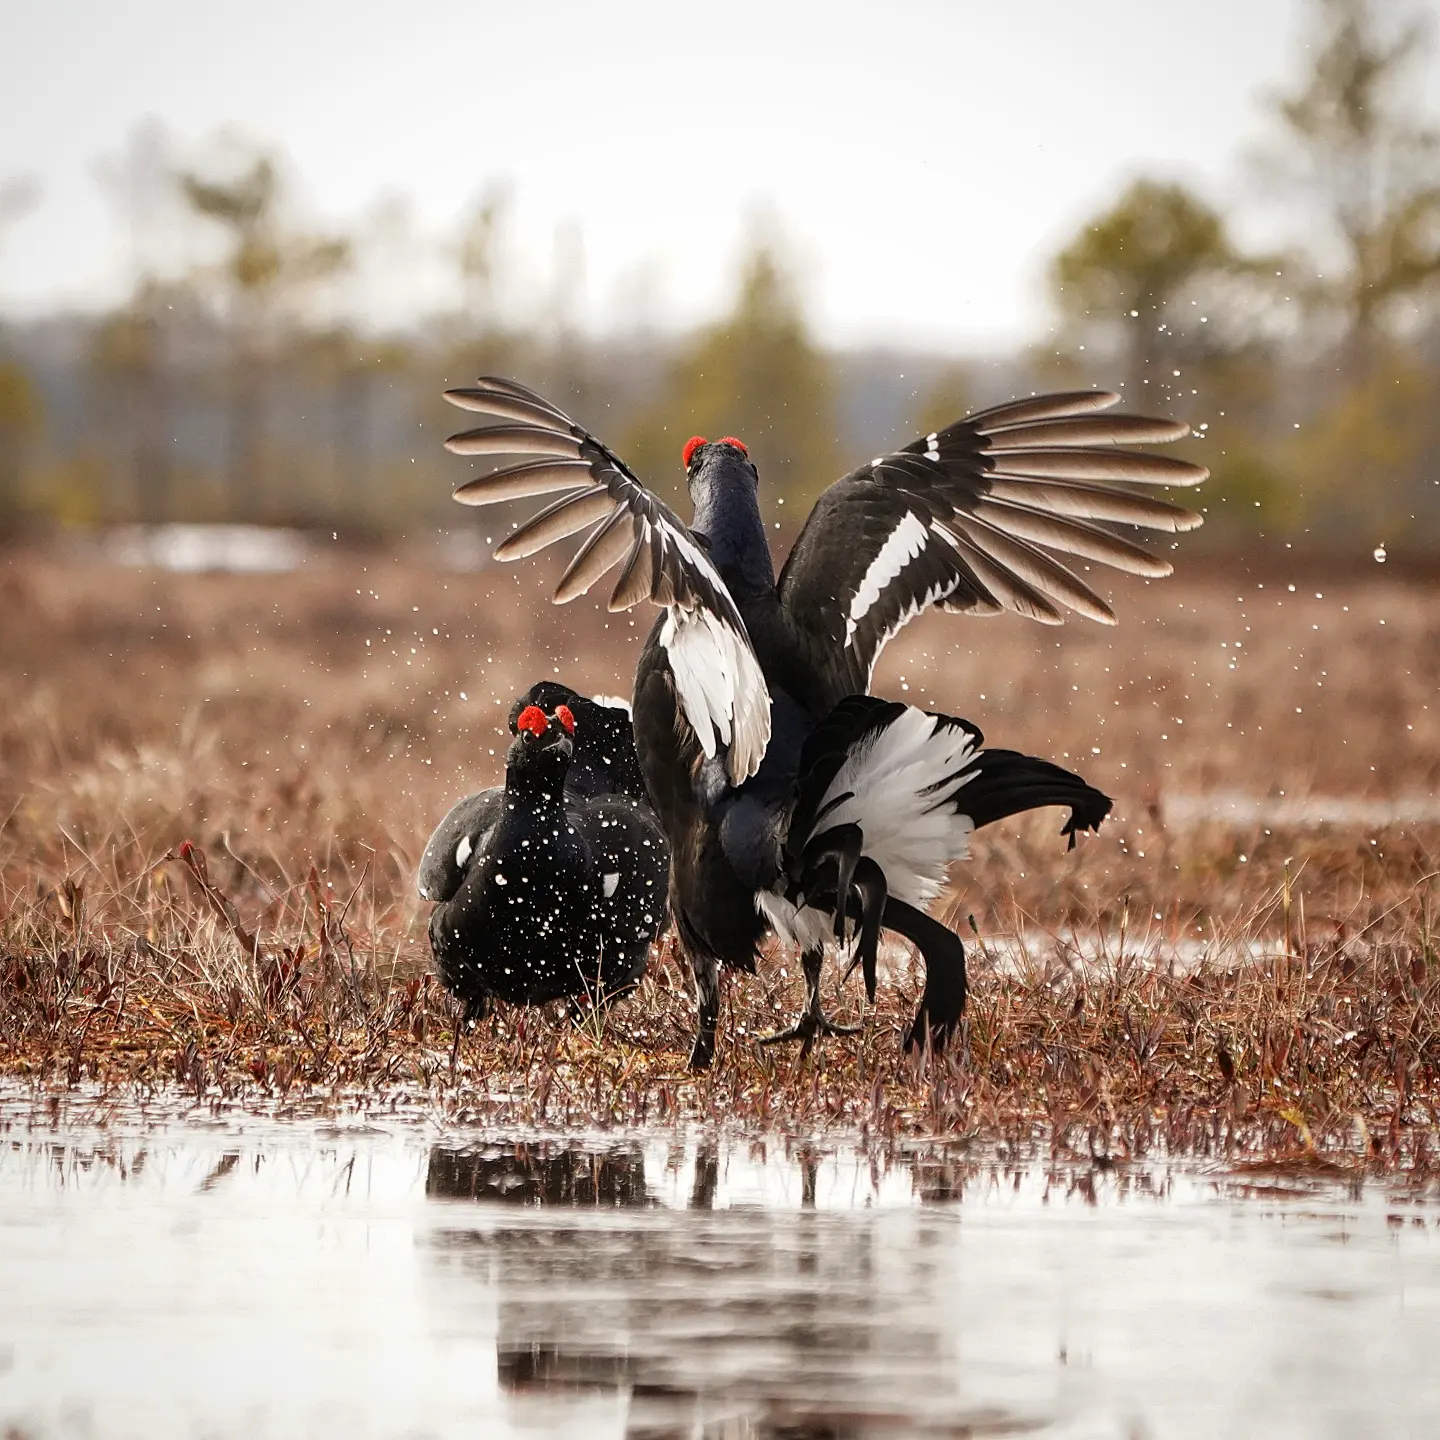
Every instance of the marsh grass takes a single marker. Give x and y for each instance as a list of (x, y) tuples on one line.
[(214, 792)]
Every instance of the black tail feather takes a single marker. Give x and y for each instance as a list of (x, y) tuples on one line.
[(1009, 783)]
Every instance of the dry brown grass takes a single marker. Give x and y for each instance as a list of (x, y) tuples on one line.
[(1240, 991)]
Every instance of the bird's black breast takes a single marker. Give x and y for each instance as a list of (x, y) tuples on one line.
[(524, 919), (721, 853)]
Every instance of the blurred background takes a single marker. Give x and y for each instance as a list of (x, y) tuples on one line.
[(241, 251)]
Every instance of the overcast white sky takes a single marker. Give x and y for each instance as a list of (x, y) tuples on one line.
[(924, 158)]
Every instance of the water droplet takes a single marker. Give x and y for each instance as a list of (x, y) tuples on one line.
[(1379, 553)]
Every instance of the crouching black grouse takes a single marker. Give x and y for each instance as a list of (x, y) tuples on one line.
[(603, 762), (740, 670), (555, 885)]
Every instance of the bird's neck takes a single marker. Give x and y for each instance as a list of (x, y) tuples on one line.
[(728, 516), (539, 785)]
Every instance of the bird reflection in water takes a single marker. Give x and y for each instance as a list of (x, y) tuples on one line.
[(539, 1175), (730, 1323)]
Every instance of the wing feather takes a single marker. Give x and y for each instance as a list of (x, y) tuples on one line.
[(1074, 463), (637, 575), (1032, 565), (1012, 591), (612, 541), (1074, 537), (1086, 430), (520, 482), (1041, 407), (1097, 502), (505, 406), (514, 440), (720, 685), (1002, 492), (567, 516)]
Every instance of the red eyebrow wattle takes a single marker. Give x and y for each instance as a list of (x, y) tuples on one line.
[(691, 446)]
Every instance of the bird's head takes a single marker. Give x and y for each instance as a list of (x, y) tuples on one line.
[(712, 465), (549, 695), (724, 491), (540, 753)]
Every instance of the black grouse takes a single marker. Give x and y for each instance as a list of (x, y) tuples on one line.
[(603, 763), (748, 691), (549, 891)]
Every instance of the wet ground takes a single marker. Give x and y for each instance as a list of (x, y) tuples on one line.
[(174, 1272)]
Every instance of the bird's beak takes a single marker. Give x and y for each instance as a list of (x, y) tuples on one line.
[(555, 738)]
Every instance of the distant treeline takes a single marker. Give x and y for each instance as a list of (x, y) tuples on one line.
[(237, 391)]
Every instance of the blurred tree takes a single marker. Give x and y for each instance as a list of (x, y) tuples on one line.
[(1366, 463), (20, 410), (1133, 279), (267, 266), (564, 367), (1356, 148), (20, 422), (474, 338), (948, 397), (756, 374), (477, 253), (348, 366), (1355, 143), (130, 349), (1155, 287), (127, 356)]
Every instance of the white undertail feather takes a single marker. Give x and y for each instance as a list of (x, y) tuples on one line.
[(805, 927), (911, 831), (720, 687)]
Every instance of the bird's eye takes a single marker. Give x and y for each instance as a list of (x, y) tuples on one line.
[(566, 717), (691, 446)]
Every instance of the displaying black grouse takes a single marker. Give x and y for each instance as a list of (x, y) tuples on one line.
[(751, 691), (560, 892)]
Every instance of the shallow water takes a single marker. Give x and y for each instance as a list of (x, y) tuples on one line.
[(175, 1274), (1239, 810)]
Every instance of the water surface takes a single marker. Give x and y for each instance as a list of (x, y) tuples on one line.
[(218, 1274)]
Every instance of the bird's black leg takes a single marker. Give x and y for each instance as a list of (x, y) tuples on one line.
[(943, 1002), (813, 1021), (870, 886), (470, 1010), (839, 846), (707, 999)]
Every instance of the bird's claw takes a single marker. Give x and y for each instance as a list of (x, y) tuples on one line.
[(807, 1029)]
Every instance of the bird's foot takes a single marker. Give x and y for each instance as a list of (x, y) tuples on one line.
[(702, 1053), (807, 1029)]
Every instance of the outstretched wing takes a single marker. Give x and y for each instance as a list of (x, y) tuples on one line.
[(717, 677), (965, 517)]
